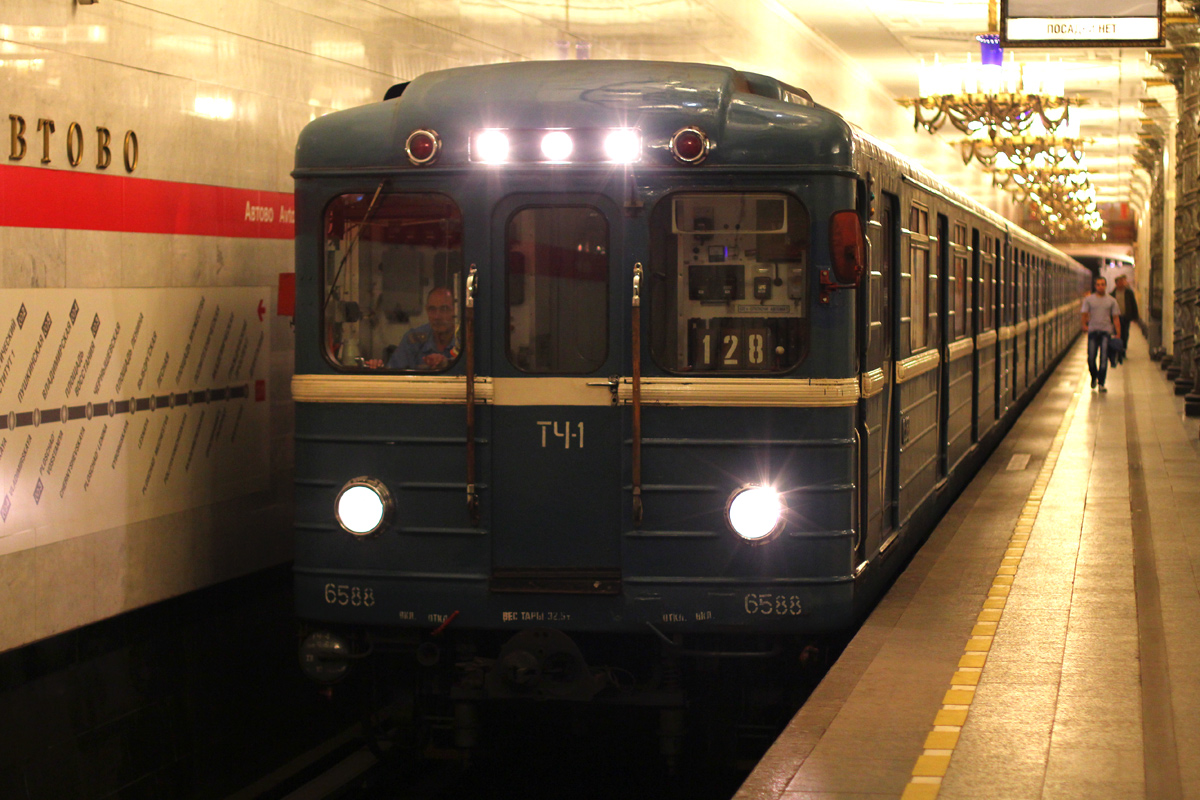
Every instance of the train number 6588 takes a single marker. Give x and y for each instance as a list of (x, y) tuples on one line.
[(772, 604), (339, 594)]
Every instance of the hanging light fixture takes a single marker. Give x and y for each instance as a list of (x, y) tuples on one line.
[(1021, 183), (991, 98), (1036, 148), (1061, 201)]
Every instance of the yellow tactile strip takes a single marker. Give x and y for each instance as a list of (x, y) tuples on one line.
[(931, 765)]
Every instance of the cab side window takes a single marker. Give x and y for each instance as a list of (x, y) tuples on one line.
[(392, 277)]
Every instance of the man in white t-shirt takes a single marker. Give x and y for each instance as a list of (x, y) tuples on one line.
[(1101, 319)]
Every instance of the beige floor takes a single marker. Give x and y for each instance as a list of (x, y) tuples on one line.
[(1009, 661)]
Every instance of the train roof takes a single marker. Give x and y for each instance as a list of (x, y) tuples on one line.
[(750, 119), (868, 146)]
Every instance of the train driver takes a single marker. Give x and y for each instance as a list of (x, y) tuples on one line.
[(434, 345)]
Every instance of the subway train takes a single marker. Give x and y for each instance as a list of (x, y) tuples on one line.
[(604, 368)]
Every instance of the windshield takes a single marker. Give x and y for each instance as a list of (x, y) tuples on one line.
[(392, 281)]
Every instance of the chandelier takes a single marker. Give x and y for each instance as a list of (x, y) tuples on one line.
[(1036, 148), (1016, 118), (1089, 227), (1071, 229), (990, 99), (1021, 183), (1061, 201)]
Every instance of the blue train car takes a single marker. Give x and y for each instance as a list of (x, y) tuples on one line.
[(605, 363)]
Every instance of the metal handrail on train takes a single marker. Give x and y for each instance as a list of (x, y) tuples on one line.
[(636, 456), (469, 345)]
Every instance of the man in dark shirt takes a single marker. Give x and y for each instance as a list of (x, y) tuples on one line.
[(1127, 303)]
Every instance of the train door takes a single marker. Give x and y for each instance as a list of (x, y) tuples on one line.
[(986, 347), (1027, 319), (879, 475), (1033, 294), (974, 298), (957, 368), (1036, 303), (1022, 323), (946, 326), (1004, 358), (1046, 328), (554, 335), (917, 362), (1018, 332)]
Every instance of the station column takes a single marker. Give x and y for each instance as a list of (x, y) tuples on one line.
[(1183, 73), (1150, 158), (1186, 40)]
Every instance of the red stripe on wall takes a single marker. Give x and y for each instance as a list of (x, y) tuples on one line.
[(33, 197)]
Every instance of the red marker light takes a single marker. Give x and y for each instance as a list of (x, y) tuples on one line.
[(846, 246), (422, 146), (689, 146)]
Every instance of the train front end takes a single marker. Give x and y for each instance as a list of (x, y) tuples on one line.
[(576, 374)]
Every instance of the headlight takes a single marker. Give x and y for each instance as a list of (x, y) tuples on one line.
[(623, 146), (557, 146), (491, 147), (364, 506), (755, 513), (325, 657)]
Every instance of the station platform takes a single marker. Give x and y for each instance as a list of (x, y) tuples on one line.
[(1044, 642)]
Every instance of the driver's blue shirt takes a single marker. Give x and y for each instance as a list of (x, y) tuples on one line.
[(418, 343)]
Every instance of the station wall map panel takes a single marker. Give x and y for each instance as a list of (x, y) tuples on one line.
[(120, 405)]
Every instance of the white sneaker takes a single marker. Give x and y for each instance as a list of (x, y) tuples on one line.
[(1103, 388)]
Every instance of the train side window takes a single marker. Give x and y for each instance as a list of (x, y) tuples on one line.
[(891, 210), (988, 287), (883, 252), (1022, 302), (1035, 288), (918, 264), (557, 289), (958, 274), (1015, 303), (1023, 289), (1010, 289), (391, 284), (1004, 285), (729, 282)]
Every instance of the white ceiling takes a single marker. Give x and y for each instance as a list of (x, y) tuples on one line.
[(891, 38)]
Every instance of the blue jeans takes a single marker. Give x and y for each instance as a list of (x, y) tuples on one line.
[(1098, 345)]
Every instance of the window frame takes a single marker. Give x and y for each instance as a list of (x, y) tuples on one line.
[(960, 272), (664, 212), (322, 328), (919, 241)]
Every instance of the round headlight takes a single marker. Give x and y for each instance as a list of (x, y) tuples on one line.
[(557, 146), (325, 657), (491, 146), (755, 513), (622, 146), (364, 506)]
